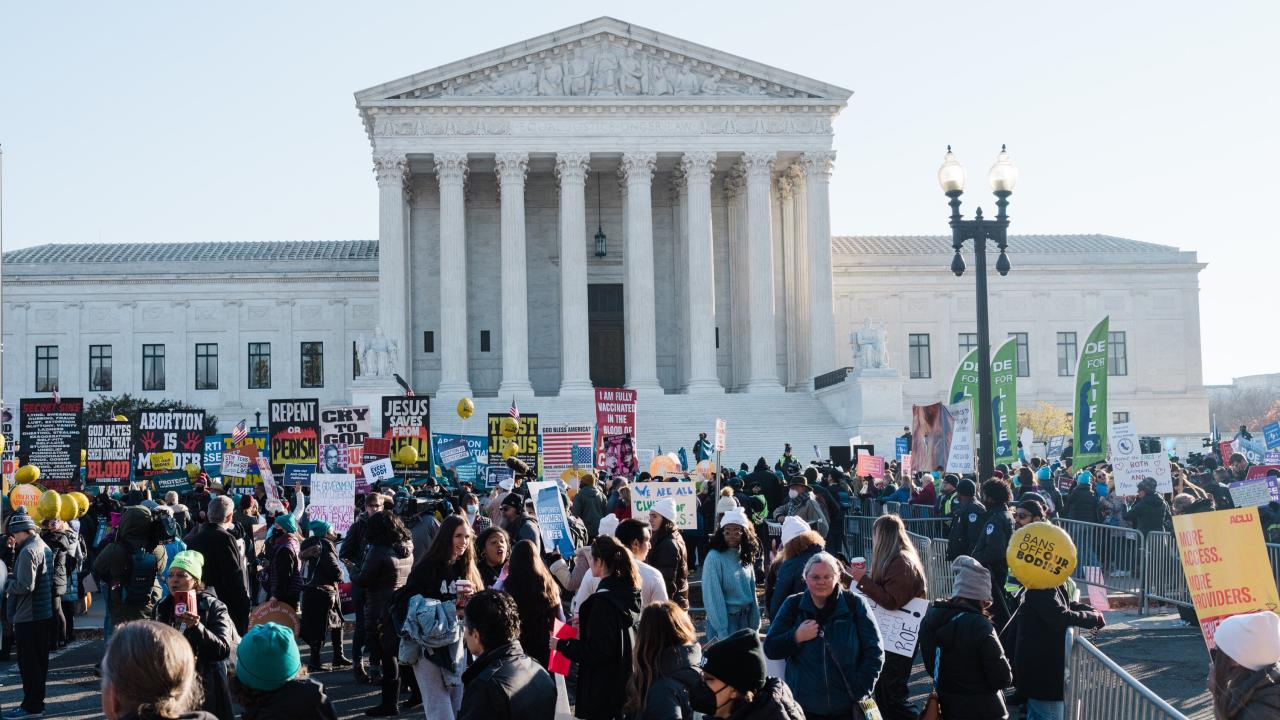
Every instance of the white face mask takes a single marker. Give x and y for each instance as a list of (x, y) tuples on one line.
[(471, 509), (793, 493)]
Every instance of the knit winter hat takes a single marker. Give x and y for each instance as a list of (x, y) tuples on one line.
[(737, 660), (735, 517), (667, 509), (973, 581), (725, 504), (967, 488), (20, 521), (608, 525), (793, 527), (287, 522), (190, 561), (320, 528), (1044, 473), (1251, 639), (1084, 477), (514, 500), (267, 657)]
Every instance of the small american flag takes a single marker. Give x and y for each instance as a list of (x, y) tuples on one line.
[(514, 411), (239, 432), (583, 456)]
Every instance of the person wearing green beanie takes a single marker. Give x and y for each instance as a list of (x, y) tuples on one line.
[(205, 622), (269, 681), (190, 561), (321, 603)]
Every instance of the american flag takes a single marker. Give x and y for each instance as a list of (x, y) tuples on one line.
[(514, 411), (559, 448), (583, 456), (239, 432)]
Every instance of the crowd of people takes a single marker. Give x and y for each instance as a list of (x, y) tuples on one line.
[(464, 608)]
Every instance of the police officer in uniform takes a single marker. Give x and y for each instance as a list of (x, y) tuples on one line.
[(967, 515)]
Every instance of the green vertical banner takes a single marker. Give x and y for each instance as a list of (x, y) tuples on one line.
[(1090, 418), (965, 383), (1004, 401)]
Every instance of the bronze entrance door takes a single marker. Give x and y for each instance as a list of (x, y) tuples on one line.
[(607, 335)]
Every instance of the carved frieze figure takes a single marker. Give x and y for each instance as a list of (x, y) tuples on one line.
[(631, 78), (579, 73), (551, 81), (527, 81), (606, 72), (658, 82)]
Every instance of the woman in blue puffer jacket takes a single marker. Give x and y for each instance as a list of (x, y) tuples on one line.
[(830, 643)]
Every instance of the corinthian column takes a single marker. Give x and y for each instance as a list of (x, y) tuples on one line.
[(451, 172), (703, 379), (642, 352), (822, 318), (575, 350), (511, 169), (392, 171), (763, 349)]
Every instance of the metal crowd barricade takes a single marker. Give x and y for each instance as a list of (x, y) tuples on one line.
[(1164, 580), (1108, 556), (1096, 687), (937, 569), (857, 535)]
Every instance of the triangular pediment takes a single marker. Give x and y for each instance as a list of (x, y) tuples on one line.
[(601, 59)]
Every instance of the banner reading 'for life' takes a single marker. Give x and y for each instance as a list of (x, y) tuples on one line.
[(1091, 417)]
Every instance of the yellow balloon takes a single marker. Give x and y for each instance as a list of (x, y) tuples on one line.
[(27, 474), (50, 503), (35, 514), (1, 443), (509, 427), (192, 470), (510, 450), (1041, 555), (69, 510), (82, 502), (120, 418), (82, 458), (408, 455), (466, 408), (27, 495)]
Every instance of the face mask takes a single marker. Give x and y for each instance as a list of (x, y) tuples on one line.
[(702, 700), (793, 493), (471, 509)]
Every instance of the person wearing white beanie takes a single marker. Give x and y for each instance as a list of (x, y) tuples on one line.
[(1245, 674), (799, 543), (668, 553), (729, 578), (726, 503)]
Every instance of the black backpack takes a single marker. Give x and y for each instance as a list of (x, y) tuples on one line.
[(141, 570)]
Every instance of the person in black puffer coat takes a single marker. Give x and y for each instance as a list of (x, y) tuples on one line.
[(1082, 501), (668, 554), (997, 528), (62, 541), (386, 569), (734, 675), (207, 627), (774, 491), (502, 681), (606, 632), (1039, 662), (666, 667), (961, 649), (1149, 512), (321, 603)]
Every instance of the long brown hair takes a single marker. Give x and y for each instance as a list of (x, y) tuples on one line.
[(662, 625), (440, 553), (529, 582), (889, 541), (617, 560)]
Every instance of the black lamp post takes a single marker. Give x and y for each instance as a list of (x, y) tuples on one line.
[(602, 249), (1003, 177), (257, 421)]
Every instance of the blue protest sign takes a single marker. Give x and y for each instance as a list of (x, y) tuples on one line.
[(549, 510), (213, 446), (467, 468), (295, 474), (495, 475), (1272, 435), (900, 447)]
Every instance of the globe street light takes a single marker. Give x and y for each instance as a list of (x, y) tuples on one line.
[(1002, 177)]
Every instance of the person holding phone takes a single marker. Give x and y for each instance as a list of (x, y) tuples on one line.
[(205, 622)]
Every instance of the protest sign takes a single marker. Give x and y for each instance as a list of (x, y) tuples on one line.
[(931, 430), (1257, 471), (644, 495), (378, 471), (722, 430), (213, 447), (1027, 437), (1129, 471), (906, 465), (253, 446), (870, 465), (333, 500), (899, 629), (1226, 565), (900, 447), (620, 457), (108, 453), (615, 417), (274, 496), (406, 421), (495, 475), (235, 464), (376, 448), (295, 431), (468, 468), (549, 510), (335, 459), (1054, 447), (51, 438), (960, 455), (1004, 401), (1252, 450), (347, 424), (1124, 440), (1271, 458), (526, 439), (964, 384), (1271, 435), (558, 442), (1252, 493), (162, 460), (1224, 450), (180, 432), (299, 475), (176, 480), (1091, 417), (453, 453)]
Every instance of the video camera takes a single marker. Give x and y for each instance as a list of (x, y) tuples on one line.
[(412, 508)]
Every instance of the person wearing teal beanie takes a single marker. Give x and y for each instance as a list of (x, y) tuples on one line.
[(284, 561), (269, 681), (287, 523), (321, 603)]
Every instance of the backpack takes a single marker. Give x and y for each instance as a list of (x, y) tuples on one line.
[(577, 532), (141, 569)]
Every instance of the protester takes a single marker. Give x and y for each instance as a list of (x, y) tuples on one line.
[(206, 626), (62, 541), (589, 504), (1082, 501), (149, 673), (728, 578), (962, 651), (636, 536), (537, 596), (28, 607), (799, 544), (735, 683), (321, 601), (130, 567), (502, 682), (224, 561), (471, 506), (997, 528), (493, 550), (448, 574), (352, 555), (270, 682), (893, 578), (666, 661), (1244, 675), (1039, 664), (284, 562), (604, 648), (517, 522), (385, 569), (830, 643), (966, 520), (668, 555), (761, 475), (1216, 484), (802, 504), (1149, 511)]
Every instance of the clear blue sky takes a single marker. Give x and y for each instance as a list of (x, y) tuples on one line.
[(1157, 121)]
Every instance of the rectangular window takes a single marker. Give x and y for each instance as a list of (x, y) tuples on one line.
[(1119, 417), (355, 361), (312, 364), (99, 368), (153, 367), (429, 341), (968, 342), (717, 338), (46, 368), (1023, 354), (206, 366), (484, 341), (259, 366), (918, 345), (1117, 354), (1066, 354)]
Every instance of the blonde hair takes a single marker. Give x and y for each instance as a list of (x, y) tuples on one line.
[(662, 625), (152, 670), (889, 541)]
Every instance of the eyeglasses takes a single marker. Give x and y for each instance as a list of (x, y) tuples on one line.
[(1022, 515), (732, 530)]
